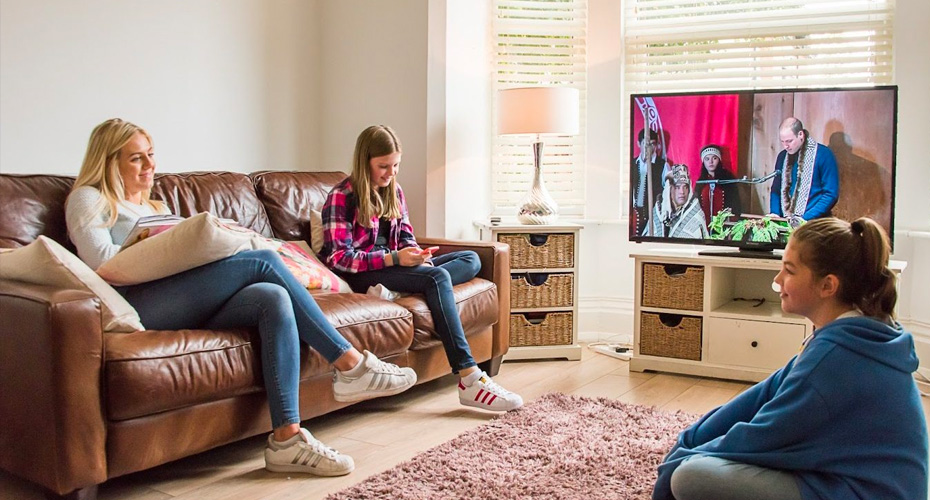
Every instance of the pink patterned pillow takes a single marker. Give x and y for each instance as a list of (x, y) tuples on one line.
[(309, 271)]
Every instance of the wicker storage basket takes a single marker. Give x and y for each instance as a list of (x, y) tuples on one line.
[(555, 290), (676, 337), (673, 286), (534, 251), (554, 329)]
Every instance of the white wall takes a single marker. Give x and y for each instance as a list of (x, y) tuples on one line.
[(422, 68), (220, 85), (466, 194), (374, 71), (912, 203), (606, 272)]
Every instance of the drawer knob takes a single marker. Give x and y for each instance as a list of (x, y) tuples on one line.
[(754, 344)]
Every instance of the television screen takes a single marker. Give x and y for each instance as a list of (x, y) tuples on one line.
[(744, 168)]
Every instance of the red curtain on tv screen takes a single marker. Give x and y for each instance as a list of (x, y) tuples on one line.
[(689, 123)]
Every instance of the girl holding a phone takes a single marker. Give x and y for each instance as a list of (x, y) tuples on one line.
[(368, 240)]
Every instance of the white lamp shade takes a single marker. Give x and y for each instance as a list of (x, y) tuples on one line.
[(537, 110)]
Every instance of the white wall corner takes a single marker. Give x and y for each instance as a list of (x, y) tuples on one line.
[(436, 62), (605, 319)]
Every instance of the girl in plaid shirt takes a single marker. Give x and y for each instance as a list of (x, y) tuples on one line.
[(368, 240)]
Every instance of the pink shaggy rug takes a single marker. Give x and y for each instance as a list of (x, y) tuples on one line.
[(557, 447)]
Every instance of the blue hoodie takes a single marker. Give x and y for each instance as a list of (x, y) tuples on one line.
[(844, 416)]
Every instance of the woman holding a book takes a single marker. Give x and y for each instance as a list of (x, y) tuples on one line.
[(249, 289), (368, 239)]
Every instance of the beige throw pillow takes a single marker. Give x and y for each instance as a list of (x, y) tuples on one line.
[(196, 241), (316, 231), (45, 262)]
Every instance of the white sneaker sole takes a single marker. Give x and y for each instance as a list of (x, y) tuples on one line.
[(364, 395), (307, 470), (480, 406)]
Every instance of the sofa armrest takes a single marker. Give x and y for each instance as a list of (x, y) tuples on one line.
[(495, 266), (51, 360)]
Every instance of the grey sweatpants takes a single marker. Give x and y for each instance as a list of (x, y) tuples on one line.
[(711, 478)]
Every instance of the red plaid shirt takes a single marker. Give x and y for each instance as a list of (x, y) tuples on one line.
[(347, 245)]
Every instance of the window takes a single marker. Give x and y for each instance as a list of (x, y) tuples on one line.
[(687, 45), (539, 43)]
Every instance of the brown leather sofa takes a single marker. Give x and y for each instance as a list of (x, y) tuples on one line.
[(79, 406)]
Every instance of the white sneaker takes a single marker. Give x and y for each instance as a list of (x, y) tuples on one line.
[(304, 453), (382, 292), (380, 379), (487, 395)]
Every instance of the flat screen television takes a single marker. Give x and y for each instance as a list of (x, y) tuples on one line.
[(743, 168)]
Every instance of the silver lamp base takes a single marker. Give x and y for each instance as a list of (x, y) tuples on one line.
[(537, 207)]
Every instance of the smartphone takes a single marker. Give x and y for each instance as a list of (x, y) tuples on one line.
[(430, 249)]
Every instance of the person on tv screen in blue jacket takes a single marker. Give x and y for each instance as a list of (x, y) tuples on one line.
[(843, 419), (807, 182)]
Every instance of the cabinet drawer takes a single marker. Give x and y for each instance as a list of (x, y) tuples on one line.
[(541, 290), (673, 286), (756, 344), (670, 336), (535, 329), (540, 250)]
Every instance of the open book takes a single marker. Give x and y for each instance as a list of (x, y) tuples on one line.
[(151, 225)]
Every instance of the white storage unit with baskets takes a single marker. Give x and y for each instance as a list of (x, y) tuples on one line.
[(543, 288), (711, 316)]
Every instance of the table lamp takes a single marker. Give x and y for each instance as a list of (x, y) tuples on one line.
[(537, 111)]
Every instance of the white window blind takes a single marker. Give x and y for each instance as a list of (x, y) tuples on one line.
[(539, 43), (737, 44)]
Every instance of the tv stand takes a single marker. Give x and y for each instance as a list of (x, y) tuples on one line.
[(712, 315), (745, 253)]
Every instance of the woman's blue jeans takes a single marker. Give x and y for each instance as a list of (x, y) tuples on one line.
[(249, 289), (435, 283)]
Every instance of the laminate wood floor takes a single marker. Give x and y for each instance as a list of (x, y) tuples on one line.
[(381, 433)]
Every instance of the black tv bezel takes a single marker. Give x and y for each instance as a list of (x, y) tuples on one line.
[(753, 248)]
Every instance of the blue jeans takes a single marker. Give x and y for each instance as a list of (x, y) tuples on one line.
[(250, 289), (435, 283)]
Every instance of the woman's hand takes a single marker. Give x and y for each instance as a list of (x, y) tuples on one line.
[(412, 256)]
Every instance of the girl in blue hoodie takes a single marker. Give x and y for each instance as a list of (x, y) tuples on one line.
[(843, 419)]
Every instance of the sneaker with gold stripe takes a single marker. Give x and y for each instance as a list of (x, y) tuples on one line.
[(304, 453), (488, 395), (379, 379)]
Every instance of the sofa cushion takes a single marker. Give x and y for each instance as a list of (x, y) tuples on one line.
[(380, 326), (228, 195), (289, 198), (33, 205), (476, 301), (45, 262), (154, 371)]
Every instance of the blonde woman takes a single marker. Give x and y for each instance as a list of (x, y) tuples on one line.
[(368, 239), (250, 289)]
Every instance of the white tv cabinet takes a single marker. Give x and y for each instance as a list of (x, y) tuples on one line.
[(742, 332), (728, 331)]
